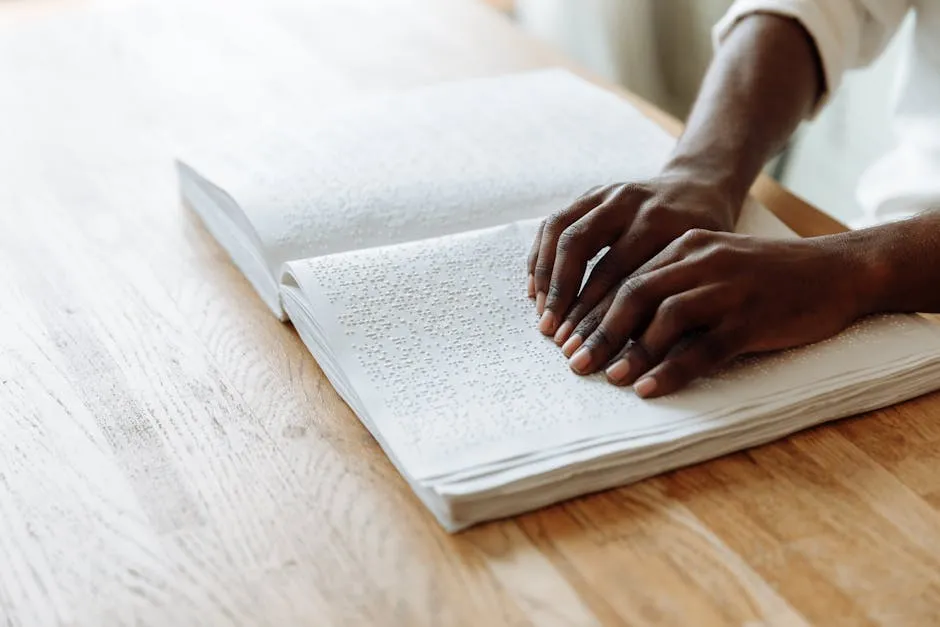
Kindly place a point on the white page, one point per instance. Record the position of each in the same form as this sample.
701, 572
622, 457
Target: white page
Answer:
442, 159
438, 340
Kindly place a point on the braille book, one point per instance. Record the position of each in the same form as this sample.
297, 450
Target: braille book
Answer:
393, 235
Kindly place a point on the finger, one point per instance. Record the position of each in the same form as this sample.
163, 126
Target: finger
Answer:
588, 321
622, 368
698, 358
683, 247
633, 249
577, 245
677, 317
639, 249
634, 304
587, 324
553, 227
533, 257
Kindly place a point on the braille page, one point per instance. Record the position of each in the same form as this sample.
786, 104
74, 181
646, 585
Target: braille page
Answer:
442, 159
437, 339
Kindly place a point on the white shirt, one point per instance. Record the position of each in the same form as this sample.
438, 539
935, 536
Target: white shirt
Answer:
850, 34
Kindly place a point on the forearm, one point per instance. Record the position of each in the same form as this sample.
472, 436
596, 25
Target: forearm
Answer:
764, 80
898, 264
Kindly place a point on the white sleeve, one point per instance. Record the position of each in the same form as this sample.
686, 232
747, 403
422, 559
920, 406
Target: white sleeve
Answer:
848, 33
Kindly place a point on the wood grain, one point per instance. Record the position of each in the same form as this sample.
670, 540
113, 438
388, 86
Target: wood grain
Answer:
171, 455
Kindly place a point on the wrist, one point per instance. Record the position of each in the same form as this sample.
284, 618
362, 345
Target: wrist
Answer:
865, 268
716, 192
901, 261
723, 178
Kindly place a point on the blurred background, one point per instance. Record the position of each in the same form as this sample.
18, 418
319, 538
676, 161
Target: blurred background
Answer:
659, 49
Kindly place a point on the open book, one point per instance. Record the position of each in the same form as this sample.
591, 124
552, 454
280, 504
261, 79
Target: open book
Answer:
393, 234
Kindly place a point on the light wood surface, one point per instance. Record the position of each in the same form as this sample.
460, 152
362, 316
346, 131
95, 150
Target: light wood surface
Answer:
171, 455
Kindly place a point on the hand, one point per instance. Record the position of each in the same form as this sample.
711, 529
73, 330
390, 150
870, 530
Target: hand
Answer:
709, 297
637, 221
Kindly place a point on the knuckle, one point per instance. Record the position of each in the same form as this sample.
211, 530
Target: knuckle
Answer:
719, 252
601, 337
696, 237
674, 311
587, 325
592, 319
632, 289
570, 238
646, 224
631, 196
633, 188
658, 219
555, 292
555, 223
542, 272
653, 209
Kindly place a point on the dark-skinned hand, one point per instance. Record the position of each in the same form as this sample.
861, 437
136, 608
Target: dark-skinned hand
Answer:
636, 220
709, 297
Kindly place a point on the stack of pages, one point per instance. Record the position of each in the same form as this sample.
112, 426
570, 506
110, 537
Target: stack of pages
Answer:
393, 234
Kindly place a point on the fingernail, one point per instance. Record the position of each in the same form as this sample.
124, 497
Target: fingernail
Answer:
580, 360
530, 286
563, 332
547, 322
645, 386
618, 371
571, 345
540, 302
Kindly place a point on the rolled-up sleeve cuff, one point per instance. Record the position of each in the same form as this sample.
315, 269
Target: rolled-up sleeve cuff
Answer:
828, 27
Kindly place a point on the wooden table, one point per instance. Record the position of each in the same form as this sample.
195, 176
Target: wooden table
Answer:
171, 455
